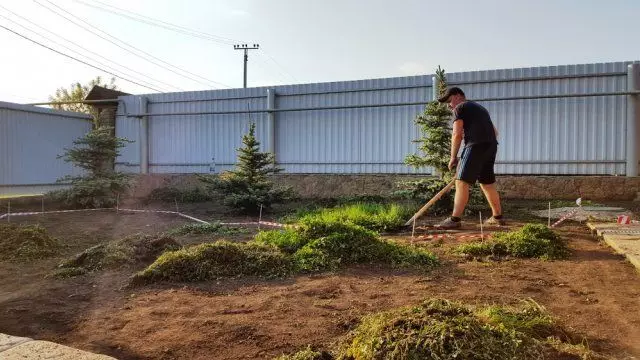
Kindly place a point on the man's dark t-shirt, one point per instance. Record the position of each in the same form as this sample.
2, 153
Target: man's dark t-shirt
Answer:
477, 124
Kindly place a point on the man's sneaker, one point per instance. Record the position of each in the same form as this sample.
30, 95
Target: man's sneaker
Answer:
448, 223
495, 222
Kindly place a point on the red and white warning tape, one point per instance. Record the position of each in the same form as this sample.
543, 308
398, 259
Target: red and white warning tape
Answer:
565, 217
49, 212
444, 236
266, 223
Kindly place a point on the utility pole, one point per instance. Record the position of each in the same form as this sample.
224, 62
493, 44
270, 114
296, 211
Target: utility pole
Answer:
246, 49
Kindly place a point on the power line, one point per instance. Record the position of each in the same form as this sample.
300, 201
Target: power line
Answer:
177, 28
129, 45
280, 66
77, 53
78, 60
159, 23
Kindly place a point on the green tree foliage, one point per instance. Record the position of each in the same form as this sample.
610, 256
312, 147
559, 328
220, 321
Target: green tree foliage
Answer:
99, 186
435, 142
248, 186
434, 151
77, 92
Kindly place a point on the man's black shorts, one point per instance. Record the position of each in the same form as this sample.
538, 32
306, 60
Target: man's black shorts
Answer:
476, 163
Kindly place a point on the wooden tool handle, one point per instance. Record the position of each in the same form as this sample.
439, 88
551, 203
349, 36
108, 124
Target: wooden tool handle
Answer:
431, 202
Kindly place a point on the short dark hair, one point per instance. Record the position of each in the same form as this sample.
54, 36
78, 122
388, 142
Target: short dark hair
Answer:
450, 92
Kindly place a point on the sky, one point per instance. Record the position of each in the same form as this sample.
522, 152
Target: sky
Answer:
301, 41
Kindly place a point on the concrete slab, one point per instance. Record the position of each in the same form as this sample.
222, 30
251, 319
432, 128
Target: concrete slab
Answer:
600, 213
41, 350
624, 239
8, 341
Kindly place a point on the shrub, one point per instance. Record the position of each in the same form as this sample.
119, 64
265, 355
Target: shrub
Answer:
94, 153
91, 192
531, 241
247, 187
215, 260
131, 250
26, 242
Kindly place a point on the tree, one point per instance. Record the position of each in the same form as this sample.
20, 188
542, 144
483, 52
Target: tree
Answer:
435, 143
247, 187
435, 151
100, 184
77, 92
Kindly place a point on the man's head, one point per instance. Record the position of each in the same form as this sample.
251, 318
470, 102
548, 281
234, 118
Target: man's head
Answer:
453, 97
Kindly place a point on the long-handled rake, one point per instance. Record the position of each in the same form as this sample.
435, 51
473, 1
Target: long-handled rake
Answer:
431, 202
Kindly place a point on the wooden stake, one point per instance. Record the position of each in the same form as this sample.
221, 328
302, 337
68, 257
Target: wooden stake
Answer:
431, 202
413, 231
481, 228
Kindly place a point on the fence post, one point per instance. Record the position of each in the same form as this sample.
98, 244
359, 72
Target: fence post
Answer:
435, 84
271, 105
633, 120
144, 135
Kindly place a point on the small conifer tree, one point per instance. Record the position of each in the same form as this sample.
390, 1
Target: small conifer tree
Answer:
99, 185
247, 187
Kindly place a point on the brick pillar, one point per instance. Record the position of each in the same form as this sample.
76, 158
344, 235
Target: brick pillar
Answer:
107, 117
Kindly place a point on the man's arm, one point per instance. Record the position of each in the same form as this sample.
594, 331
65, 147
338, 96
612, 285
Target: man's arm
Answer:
456, 139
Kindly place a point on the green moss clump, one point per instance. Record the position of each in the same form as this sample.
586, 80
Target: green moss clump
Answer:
26, 242
531, 241
442, 329
128, 251
215, 260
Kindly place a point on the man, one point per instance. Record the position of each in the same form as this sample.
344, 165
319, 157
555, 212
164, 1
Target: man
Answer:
472, 121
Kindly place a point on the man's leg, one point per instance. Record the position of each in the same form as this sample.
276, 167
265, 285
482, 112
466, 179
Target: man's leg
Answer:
461, 198
487, 180
491, 193
467, 174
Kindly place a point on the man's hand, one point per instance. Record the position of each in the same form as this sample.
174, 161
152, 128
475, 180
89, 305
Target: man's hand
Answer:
452, 163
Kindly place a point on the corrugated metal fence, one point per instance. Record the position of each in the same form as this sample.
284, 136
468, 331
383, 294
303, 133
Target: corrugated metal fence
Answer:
31, 138
367, 126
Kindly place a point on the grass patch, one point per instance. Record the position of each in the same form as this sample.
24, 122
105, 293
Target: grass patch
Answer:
316, 245
206, 229
216, 260
287, 240
531, 241
307, 354
321, 244
443, 329
127, 251
373, 216
26, 242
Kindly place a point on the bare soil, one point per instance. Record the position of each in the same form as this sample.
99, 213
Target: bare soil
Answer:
595, 294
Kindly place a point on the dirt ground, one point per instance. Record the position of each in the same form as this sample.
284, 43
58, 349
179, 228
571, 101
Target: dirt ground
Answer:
594, 294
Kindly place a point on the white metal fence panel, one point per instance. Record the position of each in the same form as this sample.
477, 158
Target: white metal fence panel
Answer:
368, 126
31, 138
